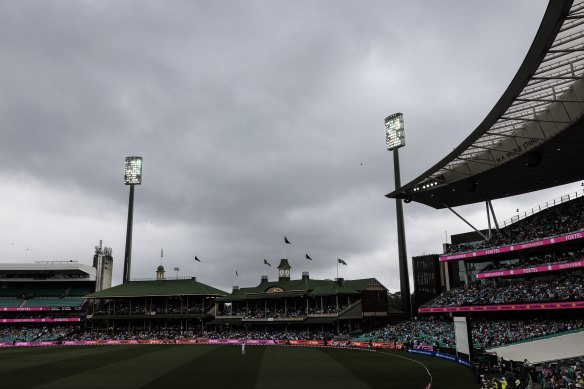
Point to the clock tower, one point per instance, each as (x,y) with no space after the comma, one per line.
(284,270)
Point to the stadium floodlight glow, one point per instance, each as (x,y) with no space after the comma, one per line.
(394,131)
(133,171)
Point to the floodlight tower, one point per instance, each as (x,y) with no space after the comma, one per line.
(395,138)
(132,177)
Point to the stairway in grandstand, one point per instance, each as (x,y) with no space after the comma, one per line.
(542,350)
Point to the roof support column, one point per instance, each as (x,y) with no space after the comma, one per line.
(401,242)
(493,213)
(464,220)
(488,219)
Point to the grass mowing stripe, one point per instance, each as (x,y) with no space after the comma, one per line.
(221,367)
(41,373)
(34,356)
(184,366)
(25,352)
(304,367)
(131,373)
(377,371)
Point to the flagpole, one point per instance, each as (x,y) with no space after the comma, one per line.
(337,269)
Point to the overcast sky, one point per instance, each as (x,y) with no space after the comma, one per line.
(256,120)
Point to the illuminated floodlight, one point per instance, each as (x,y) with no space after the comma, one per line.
(133,171)
(394,131)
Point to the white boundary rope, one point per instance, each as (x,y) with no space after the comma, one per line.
(412,360)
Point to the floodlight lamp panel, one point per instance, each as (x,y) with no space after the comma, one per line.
(133,171)
(394,131)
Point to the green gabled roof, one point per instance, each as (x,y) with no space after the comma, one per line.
(332,290)
(362,283)
(291,288)
(294,288)
(188,287)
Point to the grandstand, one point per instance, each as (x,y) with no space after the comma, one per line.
(43,301)
(523,280)
(158,304)
(51,285)
(305,304)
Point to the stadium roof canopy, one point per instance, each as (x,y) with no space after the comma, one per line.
(533,137)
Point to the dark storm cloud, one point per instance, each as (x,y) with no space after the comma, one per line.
(255,120)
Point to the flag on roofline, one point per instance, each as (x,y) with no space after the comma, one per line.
(308,257)
(236,274)
(341,261)
(286,240)
(197,259)
(267,263)
(161,253)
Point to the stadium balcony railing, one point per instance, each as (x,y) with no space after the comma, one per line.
(542,207)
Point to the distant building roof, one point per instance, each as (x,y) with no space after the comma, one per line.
(187,287)
(296,288)
(48,268)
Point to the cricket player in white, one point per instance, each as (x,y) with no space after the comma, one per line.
(243,348)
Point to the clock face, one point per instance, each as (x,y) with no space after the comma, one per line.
(274,289)
(285,272)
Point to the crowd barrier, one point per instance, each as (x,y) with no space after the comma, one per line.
(452,358)
(263,342)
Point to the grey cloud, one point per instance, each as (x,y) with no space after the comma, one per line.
(253,119)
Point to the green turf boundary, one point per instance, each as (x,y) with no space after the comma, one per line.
(223,366)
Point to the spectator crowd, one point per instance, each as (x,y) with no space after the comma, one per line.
(559,220)
(536,260)
(486,333)
(565,288)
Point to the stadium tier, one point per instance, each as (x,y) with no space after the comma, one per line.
(153,305)
(305,304)
(43,301)
(563,219)
(438,332)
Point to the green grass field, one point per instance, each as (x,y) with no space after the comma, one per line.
(201,366)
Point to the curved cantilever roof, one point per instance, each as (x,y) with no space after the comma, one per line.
(533,137)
